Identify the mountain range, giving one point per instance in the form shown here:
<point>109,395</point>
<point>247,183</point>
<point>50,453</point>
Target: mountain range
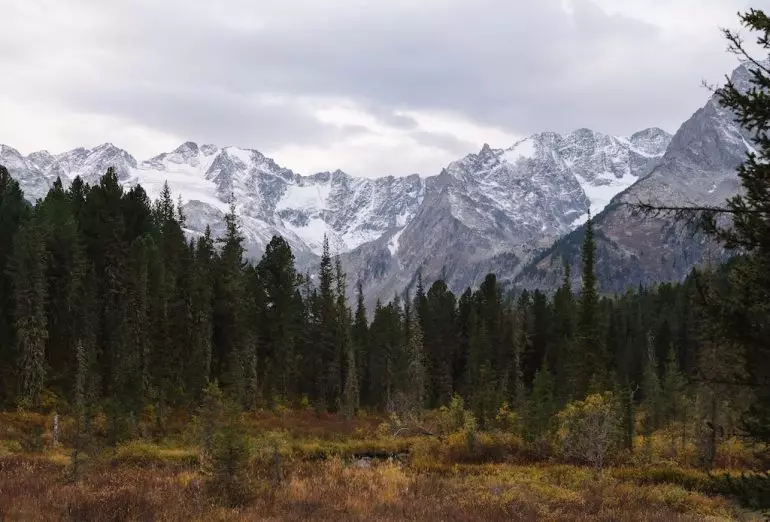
<point>515,211</point>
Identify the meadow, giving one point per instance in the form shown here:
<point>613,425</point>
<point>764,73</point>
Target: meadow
<point>299,465</point>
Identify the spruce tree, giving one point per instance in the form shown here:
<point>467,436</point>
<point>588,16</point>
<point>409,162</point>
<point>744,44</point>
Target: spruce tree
<point>744,317</point>
<point>541,409</point>
<point>351,392</point>
<point>592,366</point>
<point>673,390</point>
<point>360,338</point>
<point>329,371</point>
<point>13,211</point>
<point>277,282</point>
<point>564,357</point>
<point>202,297</point>
<point>27,269</point>
<point>651,390</point>
<point>234,354</point>
<point>416,374</point>
<point>64,279</point>
<point>442,353</point>
<point>344,350</point>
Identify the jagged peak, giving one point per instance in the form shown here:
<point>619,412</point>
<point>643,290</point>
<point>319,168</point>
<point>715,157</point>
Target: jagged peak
<point>187,145</point>
<point>485,150</point>
<point>649,132</point>
<point>208,149</point>
<point>7,150</point>
<point>106,146</point>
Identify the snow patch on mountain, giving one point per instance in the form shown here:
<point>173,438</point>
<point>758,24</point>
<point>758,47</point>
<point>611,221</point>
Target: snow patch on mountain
<point>600,194</point>
<point>393,243</point>
<point>306,196</point>
<point>498,202</point>
<point>524,149</point>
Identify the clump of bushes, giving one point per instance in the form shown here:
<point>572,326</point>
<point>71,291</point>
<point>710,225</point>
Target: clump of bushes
<point>589,429</point>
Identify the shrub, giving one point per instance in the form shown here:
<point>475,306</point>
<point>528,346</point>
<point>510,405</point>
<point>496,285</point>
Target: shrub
<point>589,429</point>
<point>462,448</point>
<point>34,440</point>
<point>451,418</point>
<point>506,419</point>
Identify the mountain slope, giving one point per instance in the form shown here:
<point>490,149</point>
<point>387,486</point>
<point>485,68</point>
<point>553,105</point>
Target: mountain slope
<point>698,168</point>
<point>488,211</point>
<point>494,210</point>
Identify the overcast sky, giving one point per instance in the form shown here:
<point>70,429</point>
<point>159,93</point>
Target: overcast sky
<point>373,87</point>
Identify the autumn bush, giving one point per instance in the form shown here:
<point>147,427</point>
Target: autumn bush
<point>589,431</point>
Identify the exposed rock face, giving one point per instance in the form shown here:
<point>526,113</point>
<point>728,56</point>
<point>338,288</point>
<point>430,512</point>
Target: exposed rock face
<point>698,169</point>
<point>490,211</point>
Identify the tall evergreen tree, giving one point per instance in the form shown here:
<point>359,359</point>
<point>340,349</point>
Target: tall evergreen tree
<point>328,369</point>
<point>589,339</point>
<point>360,337</point>
<point>745,317</point>
<point>234,354</point>
<point>416,373</point>
<point>202,300</point>
<point>27,268</point>
<point>278,281</point>
<point>13,211</point>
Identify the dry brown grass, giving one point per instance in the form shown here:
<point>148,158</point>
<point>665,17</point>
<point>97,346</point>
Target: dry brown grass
<point>36,489</point>
<point>495,479</point>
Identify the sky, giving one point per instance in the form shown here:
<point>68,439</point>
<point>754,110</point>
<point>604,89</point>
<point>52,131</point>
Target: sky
<point>373,87</point>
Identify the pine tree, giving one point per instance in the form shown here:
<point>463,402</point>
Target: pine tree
<point>438,323</point>
<point>589,340</point>
<point>360,338</point>
<point>541,409</point>
<point>652,393</point>
<point>416,374</point>
<point>351,393</point>
<point>13,211</point>
<point>64,279</point>
<point>202,297</point>
<point>27,268</point>
<point>564,359</point>
<point>744,317</point>
<point>234,352</point>
<point>329,379</point>
<point>344,351</point>
<point>277,282</point>
<point>673,390</point>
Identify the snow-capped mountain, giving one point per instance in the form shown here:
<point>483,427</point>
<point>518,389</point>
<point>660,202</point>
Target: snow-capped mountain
<point>497,206</point>
<point>698,169</point>
<point>494,210</point>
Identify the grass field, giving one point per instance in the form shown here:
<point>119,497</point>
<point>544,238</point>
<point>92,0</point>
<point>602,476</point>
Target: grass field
<point>307,467</point>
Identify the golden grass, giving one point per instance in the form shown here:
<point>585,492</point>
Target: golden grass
<point>494,476</point>
<point>33,489</point>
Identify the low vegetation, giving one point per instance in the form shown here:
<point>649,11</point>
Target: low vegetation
<point>223,464</point>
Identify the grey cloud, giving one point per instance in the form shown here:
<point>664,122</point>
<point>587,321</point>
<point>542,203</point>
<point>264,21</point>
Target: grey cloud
<point>445,141</point>
<point>521,66</point>
<point>203,114</point>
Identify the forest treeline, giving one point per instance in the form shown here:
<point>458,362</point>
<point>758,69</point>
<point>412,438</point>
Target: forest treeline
<point>105,302</point>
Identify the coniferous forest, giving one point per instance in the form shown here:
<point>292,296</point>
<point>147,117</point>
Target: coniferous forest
<point>102,287</point>
<point>111,315</point>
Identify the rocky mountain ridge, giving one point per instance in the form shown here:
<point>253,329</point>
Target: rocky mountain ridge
<point>487,210</point>
<point>633,247</point>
